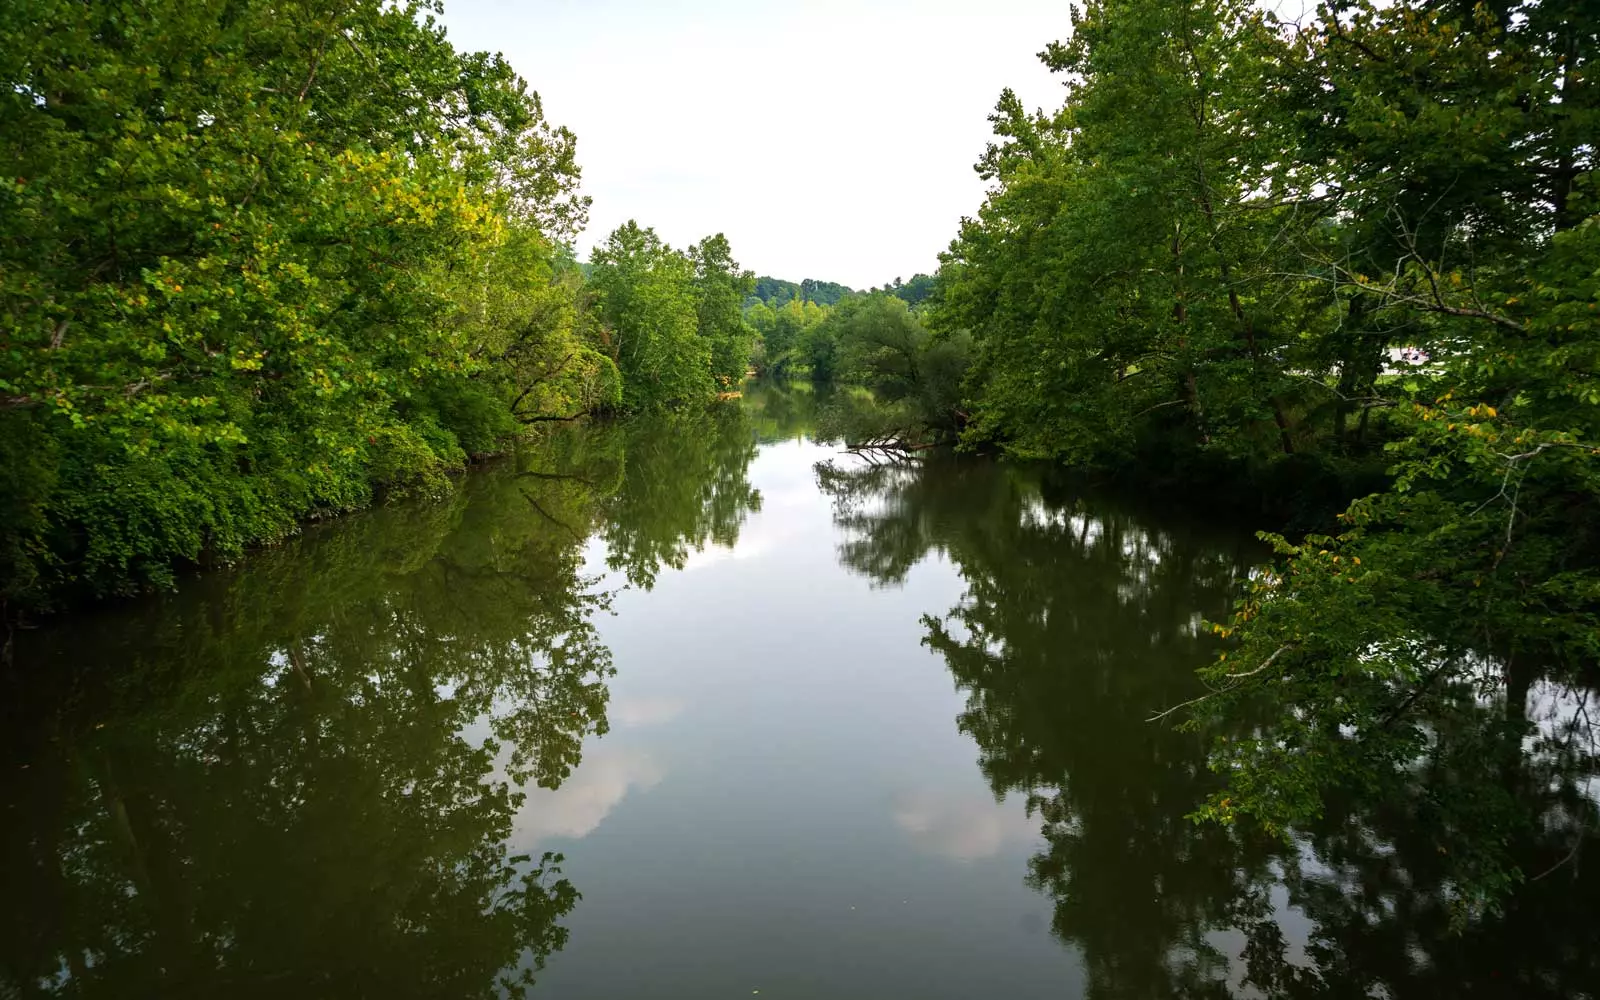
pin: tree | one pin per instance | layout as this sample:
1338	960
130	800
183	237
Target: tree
916	291
646	303
876	340
782	334
720	290
243	275
1477	572
1200	265
1121	265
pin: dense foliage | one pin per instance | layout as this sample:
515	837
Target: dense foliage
1305	250
259	261
775	292
875	339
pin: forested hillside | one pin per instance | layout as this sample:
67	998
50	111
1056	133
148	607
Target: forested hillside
775	292
1288	254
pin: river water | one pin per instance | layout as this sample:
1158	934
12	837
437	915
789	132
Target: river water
704	708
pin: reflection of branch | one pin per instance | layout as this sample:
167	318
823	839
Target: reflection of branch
298	661
1235	678
1421	689
551	518
561	477
1577	842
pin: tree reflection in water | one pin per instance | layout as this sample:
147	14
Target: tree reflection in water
265	783
1080	620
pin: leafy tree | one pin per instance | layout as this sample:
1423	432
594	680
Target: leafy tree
782	334
646	302
1208	257
259	259
915	375
1121	266
720	290
775	292
916	291
1479	571
823	293
772	292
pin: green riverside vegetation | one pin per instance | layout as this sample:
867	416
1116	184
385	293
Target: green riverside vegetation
259	261
1288	255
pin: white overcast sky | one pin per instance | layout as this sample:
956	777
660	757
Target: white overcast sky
828	140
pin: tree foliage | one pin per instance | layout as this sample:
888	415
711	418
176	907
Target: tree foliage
775	291
877	341
646	302
1363	241
259	260
720	290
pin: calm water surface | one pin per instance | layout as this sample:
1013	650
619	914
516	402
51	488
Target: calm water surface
705	709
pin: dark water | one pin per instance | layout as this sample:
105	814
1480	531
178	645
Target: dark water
700	709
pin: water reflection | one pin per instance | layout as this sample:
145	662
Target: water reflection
960	827
338	769
783	411
312	774
1079	619
685	486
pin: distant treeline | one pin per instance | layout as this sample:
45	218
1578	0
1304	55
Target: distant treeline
775	291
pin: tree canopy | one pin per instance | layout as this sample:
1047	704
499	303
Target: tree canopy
1358	250
261	262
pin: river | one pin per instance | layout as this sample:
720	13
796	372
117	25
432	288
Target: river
699	708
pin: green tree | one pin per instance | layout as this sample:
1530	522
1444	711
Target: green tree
782	334
234	281
646	302
1119	279
720	290
916	376
1448	137
1206	260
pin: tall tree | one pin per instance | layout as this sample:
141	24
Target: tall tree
646	301
1120	267
720	290
242	273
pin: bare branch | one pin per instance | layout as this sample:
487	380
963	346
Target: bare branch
1234	678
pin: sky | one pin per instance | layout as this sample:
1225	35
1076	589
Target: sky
828	140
